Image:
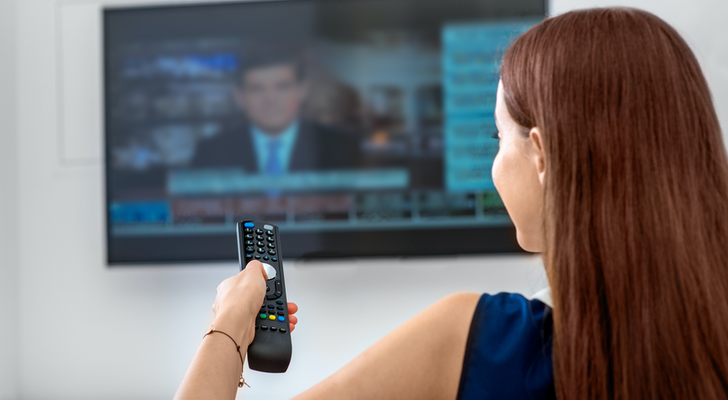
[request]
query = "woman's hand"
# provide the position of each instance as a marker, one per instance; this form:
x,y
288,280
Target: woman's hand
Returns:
x,y
238,300
215,371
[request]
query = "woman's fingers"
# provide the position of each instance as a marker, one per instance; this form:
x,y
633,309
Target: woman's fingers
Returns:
x,y
293,320
292,309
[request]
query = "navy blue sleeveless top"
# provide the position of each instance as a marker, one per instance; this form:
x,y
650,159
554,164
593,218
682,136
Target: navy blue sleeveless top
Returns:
x,y
508,354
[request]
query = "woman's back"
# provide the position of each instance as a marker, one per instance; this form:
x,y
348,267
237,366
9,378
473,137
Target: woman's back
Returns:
x,y
635,204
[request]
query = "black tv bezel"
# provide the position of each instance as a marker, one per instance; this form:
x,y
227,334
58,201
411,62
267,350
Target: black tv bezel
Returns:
x,y
391,243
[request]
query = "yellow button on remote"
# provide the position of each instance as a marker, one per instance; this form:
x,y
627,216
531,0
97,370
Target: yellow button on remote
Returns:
x,y
271,317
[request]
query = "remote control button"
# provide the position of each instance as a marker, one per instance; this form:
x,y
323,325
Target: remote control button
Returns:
x,y
256,327
261,250
250,249
263,316
270,271
269,233
248,236
264,327
268,227
281,319
248,224
271,252
279,287
279,307
259,237
270,239
273,328
266,258
267,289
271,245
274,258
281,313
257,257
249,255
259,231
272,317
249,243
260,244
279,302
271,306
248,230
278,294
283,330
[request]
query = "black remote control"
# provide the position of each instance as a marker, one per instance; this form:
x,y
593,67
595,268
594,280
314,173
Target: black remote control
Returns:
x,y
271,348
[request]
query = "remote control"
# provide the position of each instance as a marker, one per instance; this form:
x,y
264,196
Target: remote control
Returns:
x,y
271,348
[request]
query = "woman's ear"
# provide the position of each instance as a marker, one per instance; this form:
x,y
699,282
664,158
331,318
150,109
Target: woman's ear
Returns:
x,y
539,156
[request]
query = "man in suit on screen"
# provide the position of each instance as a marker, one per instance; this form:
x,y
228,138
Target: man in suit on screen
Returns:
x,y
272,138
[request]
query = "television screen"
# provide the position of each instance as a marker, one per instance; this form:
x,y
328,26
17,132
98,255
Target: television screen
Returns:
x,y
359,127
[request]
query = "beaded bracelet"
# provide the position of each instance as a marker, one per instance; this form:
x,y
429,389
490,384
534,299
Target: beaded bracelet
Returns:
x,y
213,330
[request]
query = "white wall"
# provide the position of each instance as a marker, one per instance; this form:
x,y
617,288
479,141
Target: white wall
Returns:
x,y
89,332
701,22
8,206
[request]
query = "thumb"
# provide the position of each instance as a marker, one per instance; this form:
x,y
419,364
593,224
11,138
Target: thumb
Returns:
x,y
257,265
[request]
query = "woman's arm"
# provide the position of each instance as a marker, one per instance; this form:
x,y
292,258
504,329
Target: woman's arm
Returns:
x,y
215,371
421,359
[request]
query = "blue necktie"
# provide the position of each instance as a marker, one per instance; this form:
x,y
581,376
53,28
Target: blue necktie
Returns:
x,y
273,166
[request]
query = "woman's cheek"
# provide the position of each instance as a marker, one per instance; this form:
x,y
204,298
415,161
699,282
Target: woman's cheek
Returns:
x,y
495,172
507,183
501,180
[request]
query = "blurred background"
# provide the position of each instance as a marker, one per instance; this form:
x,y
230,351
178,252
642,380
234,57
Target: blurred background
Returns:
x,y
72,328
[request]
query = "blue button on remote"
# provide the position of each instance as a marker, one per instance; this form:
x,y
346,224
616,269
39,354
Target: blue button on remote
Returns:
x,y
249,225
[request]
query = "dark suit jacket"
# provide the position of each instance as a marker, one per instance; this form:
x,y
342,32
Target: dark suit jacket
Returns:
x,y
317,147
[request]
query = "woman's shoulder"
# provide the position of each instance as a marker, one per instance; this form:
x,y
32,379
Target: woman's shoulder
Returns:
x,y
508,353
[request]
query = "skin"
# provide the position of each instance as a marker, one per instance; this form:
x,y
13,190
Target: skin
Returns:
x,y
270,97
215,370
422,358
519,173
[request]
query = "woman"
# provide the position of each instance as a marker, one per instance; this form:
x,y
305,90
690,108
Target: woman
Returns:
x,y
612,165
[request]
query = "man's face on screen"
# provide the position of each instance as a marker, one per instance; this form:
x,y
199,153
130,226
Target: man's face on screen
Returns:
x,y
270,96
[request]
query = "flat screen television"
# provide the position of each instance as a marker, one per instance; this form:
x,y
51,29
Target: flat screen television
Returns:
x,y
359,127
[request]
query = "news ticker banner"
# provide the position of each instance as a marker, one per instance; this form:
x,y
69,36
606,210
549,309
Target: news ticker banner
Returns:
x,y
311,191
235,181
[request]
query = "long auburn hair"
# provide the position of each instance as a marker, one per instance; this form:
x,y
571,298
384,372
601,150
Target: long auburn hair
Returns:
x,y
635,204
